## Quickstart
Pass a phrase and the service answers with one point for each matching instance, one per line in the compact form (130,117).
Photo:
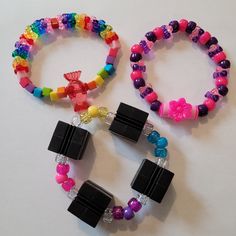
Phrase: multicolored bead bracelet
(91,202)
(76,89)
(180,110)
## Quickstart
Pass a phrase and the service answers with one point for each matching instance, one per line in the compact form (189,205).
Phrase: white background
(201,200)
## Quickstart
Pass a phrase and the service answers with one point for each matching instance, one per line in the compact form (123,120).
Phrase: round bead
(61,178)
(134,204)
(183,25)
(221,81)
(210,104)
(151,97)
(135,57)
(162,142)
(225,64)
(175,25)
(204,38)
(155,105)
(160,152)
(151,36)
(93,111)
(202,110)
(139,83)
(68,184)
(190,27)
(118,212)
(158,32)
(211,41)
(62,169)
(136,48)
(136,74)
(153,136)
(128,213)
(219,57)
(223,90)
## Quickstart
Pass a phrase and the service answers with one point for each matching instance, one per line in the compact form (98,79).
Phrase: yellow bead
(93,111)
(54,96)
(99,80)
(103,111)
(85,117)
(80,21)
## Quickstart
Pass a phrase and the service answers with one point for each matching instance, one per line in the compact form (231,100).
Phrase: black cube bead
(69,140)
(90,203)
(152,180)
(128,122)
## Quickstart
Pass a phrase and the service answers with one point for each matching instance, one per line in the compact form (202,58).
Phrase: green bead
(46,91)
(103,73)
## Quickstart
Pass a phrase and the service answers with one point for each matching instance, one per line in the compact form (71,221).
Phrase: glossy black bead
(202,110)
(223,90)
(211,41)
(139,83)
(155,105)
(175,25)
(225,64)
(135,57)
(151,36)
(190,27)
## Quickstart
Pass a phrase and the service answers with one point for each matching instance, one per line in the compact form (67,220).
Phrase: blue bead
(162,142)
(38,92)
(160,152)
(109,68)
(153,136)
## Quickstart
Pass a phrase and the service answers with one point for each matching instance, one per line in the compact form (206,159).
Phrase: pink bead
(136,48)
(210,104)
(158,32)
(61,178)
(204,38)
(151,97)
(63,169)
(221,81)
(183,25)
(68,184)
(219,57)
(136,74)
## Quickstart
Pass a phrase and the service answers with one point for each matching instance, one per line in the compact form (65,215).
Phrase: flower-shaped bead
(180,110)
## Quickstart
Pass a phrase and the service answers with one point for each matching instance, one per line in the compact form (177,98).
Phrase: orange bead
(92,85)
(61,92)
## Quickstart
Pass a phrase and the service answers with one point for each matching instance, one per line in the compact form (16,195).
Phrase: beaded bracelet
(180,110)
(91,201)
(76,89)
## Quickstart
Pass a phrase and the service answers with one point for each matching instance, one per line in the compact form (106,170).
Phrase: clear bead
(162,162)
(85,118)
(61,159)
(76,121)
(147,129)
(142,199)
(107,217)
(72,193)
(109,118)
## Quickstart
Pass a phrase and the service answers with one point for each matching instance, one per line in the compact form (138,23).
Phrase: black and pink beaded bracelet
(180,110)
(91,202)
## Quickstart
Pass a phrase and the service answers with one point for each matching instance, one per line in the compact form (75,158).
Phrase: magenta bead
(158,32)
(136,74)
(63,169)
(183,25)
(221,81)
(61,178)
(134,204)
(204,38)
(136,48)
(118,212)
(210,104)
(219,57)
(151,97)
(68,184)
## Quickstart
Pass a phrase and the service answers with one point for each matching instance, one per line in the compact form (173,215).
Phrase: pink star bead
(180,110)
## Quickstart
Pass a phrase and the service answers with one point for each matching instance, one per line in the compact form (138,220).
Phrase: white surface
(202,154)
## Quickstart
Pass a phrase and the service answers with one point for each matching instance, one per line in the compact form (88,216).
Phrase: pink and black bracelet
(76,90)
(91,202)
(180,110)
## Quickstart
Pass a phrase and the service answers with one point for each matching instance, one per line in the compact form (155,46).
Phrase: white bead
(107,217)
(109,118)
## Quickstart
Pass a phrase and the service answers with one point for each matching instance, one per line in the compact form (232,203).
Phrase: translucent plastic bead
(109,118)
(162,162)
(103,111)
(153,136)
(147,129)
(107,217)
(142,199)
(85,117)
(61,159)
(62,169)
(162,142)
(72,193)
(128,213)
(61,178)
(68,184)
(76,121)
(93,111)
(118,212)
(160,152)
(134,204)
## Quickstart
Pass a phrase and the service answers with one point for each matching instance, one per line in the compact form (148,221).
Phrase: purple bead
(146,92)
(30,88)
(175,25)
(190,27)
(138,67)
(134,204)
(223,73)
(211,41)
(223,90)
(202,110)
(201,31)
(216,74)
(135,57)
(155,105)
(225,64)
(214,97)
(118,212)
(139,83)
(144,46)
(128,213)
(151,36)
(110,60)
(135,67)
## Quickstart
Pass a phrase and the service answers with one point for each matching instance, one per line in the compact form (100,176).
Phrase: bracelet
(76,90)
(180,110)
(91,201)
